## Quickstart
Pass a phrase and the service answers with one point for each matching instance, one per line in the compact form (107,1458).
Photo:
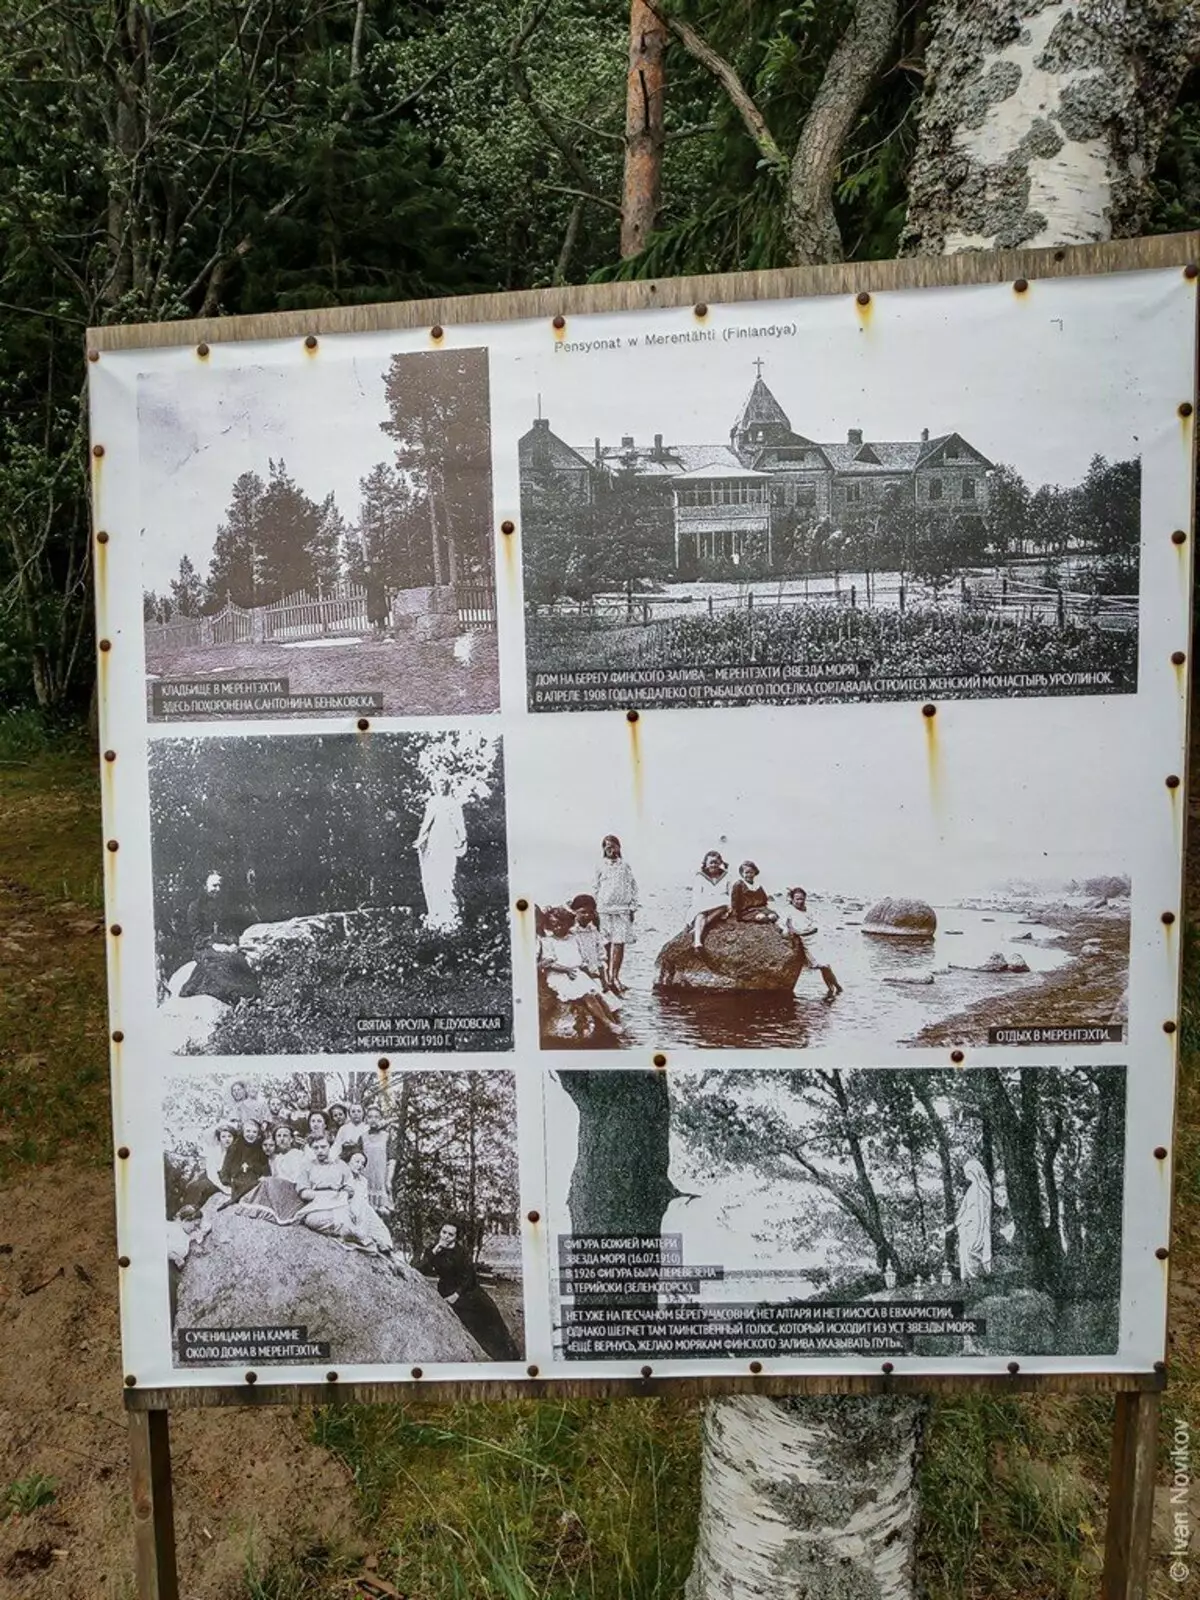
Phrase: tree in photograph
(620,1185)
(328,540)
(438,416)
(233,569)
(287,536)
(187,591)
(390,542)
(1008,513)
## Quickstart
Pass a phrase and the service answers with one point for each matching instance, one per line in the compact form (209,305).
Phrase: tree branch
(726,75)
(853,67)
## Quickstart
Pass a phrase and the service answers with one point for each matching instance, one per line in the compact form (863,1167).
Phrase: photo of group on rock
(377,588)
(730,558)
(307,884)
(993,1191)
(383,1219)
(818,907)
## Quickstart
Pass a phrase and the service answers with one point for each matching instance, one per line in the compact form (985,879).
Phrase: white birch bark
(807,1499)
(1042,120)
(1040,126)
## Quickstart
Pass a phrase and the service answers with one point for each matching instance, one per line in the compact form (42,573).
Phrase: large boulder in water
(735,955)
(250,1273)
(901,919)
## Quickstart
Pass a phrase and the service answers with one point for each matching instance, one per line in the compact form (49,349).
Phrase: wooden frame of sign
(1136,1394)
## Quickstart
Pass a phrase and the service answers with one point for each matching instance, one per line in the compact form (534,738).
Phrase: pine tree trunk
(808,1500)
(644,135)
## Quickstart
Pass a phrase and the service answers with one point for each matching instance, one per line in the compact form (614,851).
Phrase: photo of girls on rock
(304,883)
(381,1218)
(815,903)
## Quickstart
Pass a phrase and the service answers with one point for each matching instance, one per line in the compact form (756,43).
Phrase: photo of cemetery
(765,565)
(338,573)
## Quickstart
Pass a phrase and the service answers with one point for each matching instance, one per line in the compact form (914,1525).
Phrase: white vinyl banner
(652,842)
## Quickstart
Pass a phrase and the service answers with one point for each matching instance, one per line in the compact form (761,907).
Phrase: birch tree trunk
(1040,126)
(808,1499)
(1042,120)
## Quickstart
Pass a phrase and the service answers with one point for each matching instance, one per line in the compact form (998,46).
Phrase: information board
(647,838)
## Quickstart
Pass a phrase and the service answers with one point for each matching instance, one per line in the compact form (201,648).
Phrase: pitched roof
(673,459)
(549,451)
(761,409)
(891,455)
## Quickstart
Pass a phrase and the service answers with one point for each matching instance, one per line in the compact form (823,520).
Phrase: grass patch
(53,1007)
(527,1500)
(28,1494)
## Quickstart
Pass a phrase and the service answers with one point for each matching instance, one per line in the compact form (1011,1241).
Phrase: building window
(935,488)
(968,489)
(853,493)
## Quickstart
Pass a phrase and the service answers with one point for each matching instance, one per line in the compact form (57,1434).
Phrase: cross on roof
(758,366)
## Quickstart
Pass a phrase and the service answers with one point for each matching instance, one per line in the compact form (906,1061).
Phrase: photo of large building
(723,504)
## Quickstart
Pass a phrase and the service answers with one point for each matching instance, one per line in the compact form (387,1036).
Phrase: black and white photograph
(331,893)
(733,524)
(344,1217)
(878,1210)
(868,893)
(319,540)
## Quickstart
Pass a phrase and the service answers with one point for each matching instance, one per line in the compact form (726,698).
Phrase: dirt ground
(416,677)
(249,1487)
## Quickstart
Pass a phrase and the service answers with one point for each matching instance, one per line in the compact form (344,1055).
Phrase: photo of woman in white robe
(441,845)
(973,1223)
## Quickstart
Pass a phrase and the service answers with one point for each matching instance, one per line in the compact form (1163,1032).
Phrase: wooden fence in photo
(301,617)
(1010,599)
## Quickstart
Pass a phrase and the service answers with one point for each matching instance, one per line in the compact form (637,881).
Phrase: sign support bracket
(1130,1497)
(153,1505)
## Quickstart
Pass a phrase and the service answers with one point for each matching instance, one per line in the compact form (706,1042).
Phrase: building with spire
(726,503)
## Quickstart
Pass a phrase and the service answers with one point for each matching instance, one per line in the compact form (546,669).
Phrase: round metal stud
(508,527)
(522,904)
(535,1216)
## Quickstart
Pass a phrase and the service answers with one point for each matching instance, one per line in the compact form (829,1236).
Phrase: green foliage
(28,1494)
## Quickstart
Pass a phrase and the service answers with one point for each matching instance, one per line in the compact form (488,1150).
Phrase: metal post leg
(153,1506)
(1131,1498)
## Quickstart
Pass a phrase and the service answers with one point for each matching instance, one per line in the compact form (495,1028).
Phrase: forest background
(208,157)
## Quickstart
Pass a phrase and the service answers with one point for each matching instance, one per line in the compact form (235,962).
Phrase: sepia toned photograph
(725,530)
(828,1211)
(858,897)
(318,1216)
(319,541)
(330,894)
